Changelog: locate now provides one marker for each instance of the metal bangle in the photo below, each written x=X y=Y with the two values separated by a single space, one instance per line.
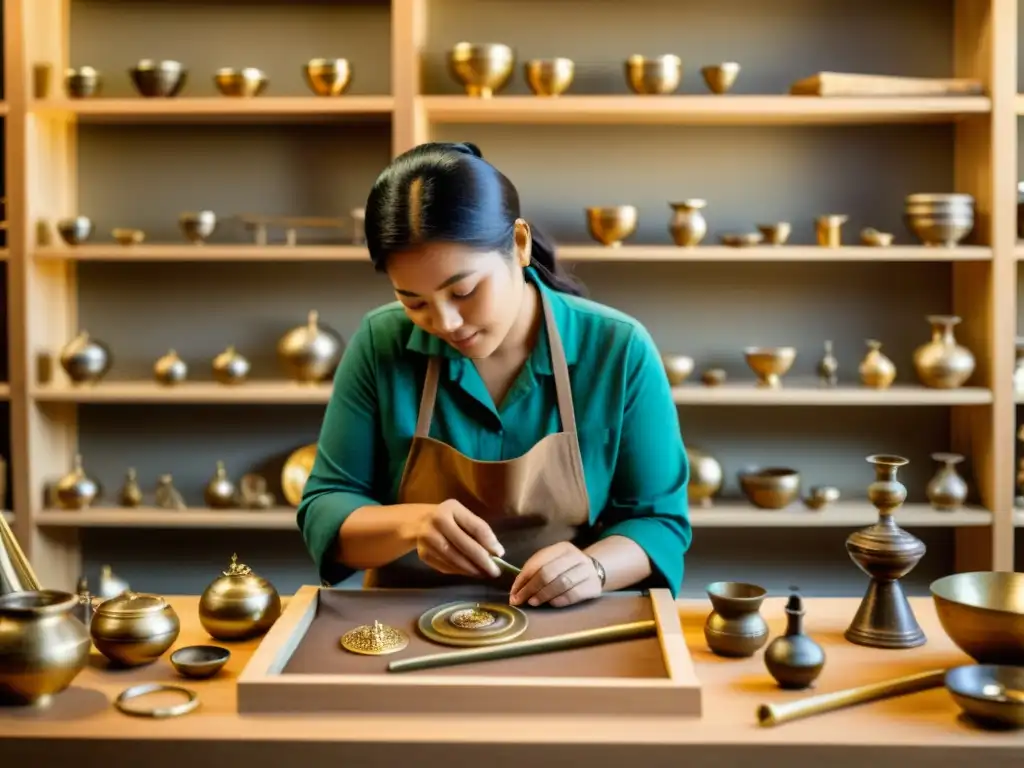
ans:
x=601 y=575
x=159 y=712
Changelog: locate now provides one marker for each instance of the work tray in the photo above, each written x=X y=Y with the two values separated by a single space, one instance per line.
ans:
x=300 y=666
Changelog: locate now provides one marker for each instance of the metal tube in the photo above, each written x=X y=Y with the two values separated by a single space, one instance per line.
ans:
x=16 y=574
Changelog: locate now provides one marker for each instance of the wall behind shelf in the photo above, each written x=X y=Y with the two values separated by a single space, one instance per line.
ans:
x=278 y=37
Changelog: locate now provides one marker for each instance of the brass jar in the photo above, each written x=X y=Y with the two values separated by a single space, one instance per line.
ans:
x=705 y=477
x=688 y=225
x=220 y=492
x=876 y=370
x=239 y=604
x=76 y=490
x=947 y=490
x=43 y=646
x=230 y=367
x=84 y=359
x=170 y=369
x=942 y=363
x=134 y=629
x=311 y=352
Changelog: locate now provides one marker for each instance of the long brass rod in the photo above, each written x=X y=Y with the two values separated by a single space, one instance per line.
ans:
x=16 y=573
x=569 y=640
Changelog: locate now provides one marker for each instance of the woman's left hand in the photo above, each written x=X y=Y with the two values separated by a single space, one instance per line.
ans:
x=561 y=575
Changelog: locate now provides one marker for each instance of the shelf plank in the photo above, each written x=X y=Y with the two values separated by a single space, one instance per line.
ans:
x=736 y=514
x=844 y=514
x=186 y=252
x=799 y=393
x=700 y=109
x=268 y=392
x=216 y=109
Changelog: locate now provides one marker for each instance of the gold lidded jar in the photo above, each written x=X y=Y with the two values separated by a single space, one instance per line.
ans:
x=220 y=491
x=84 y=359
x=43 y=646
x=239 y=604
x=943 y=363
x=134 y=629
x=688 y=225
x=947 y=491
x=876 y=370
x=170 y=369
x=311 y=352
x=705 y=477
x=76 y=490
x=230 y=367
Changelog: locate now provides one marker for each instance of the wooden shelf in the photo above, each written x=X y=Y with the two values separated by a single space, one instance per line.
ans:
x=748 y=393
x=278 y=518
x=844 y=514
x=699 y=110
x=186 y=252
x=267 y=392
x=216 y=109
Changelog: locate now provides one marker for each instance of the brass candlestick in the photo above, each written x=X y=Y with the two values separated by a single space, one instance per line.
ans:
x=886 y=553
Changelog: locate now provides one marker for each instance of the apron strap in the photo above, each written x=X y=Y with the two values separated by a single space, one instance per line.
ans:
x=563 y=387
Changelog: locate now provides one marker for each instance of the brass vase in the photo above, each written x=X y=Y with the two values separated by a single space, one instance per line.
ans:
x=735 y=628
x=942 y=363
x=239 y=604
x=947 y=491
x=43 y=646
x=220 y=492
x=794 y=659
x=688 y=225
x=886 y=553
x=705 y=477
x=876 y=370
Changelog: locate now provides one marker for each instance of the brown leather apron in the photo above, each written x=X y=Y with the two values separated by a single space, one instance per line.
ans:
x=530 y=502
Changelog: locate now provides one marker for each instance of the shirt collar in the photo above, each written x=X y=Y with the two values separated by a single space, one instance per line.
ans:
x=540 y=359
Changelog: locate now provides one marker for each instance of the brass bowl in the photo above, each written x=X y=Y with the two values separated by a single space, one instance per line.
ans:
x=776 y=234
x=200 y=661
x=658 y=76
x=875 y=239
x=990 y=695
x=296 y=472
x=771 y=487
x=820 y=496
x=155 y=79
x=770 y=364
x=74 y=230
x=483 y=69
x=677 y=367
x=549 y=77
x=197 y=226
x=611 y=225
x=939 y=230
x=82 y=82
x=939 y=198
x=744 y=240
x=126 y=236
x=327 y=77
x=983 y=614
x=247 y=82
x=720 y=78
x=713 y=377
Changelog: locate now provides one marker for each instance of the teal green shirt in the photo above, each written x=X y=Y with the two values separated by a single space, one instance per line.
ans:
x=634 y=461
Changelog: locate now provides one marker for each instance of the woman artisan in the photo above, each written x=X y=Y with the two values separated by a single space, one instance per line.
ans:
x=491 y=410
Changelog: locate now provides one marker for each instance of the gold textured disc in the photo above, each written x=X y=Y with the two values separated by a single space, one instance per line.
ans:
x=469 y=624
x=374 y=640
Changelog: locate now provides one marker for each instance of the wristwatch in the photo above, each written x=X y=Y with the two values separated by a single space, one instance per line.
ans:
x=599 y=568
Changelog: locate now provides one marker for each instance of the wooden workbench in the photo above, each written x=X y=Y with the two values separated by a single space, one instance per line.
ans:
x=83 y=729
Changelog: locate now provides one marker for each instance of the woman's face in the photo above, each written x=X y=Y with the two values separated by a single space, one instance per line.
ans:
x=467 y=298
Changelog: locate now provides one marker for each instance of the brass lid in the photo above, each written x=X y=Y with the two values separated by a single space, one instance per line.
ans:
x=132 y=604
x=238 y=569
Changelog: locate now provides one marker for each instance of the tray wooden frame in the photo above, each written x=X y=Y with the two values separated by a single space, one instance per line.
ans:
x=263 y=689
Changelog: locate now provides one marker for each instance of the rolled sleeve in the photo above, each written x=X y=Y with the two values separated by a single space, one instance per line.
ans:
x=649 y=486
x=343 y=474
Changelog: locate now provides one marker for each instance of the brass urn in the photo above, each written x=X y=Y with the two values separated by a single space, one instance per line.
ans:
x=134 y=629
x=43 y=646
x=943 y=363
x=311 y=352
x=76 y=490
x=220 y=492
x=239 y=604
x=84 y=359
x=705 y=477
x=876 y=370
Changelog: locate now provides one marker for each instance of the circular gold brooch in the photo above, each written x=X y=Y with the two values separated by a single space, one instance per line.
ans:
x=374 y=640
x=468 y=624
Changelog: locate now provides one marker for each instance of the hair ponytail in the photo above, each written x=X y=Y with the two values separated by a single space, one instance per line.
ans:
x=543 y=258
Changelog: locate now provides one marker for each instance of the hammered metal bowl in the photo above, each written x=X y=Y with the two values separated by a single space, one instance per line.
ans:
x=659 y=75
x=549 y=77
x=328 y=77
x=678 y=368
x=200 y=661
x=74 y=230
x=770 y=487
x=82 y=82
x=610 y=225
x=483 y=69
x=155 y=79
x=247 y=82
x=983 y=614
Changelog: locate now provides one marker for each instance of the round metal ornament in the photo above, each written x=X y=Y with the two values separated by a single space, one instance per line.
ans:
x=374 y=640
x=468 y=624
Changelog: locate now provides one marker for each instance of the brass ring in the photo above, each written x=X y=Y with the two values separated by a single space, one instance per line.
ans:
x=159 y=712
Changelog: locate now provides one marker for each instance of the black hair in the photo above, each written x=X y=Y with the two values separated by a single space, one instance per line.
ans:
x=447 y=192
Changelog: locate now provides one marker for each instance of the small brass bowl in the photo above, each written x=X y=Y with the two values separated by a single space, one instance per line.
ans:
x=677 y=367
x=128 y=236
x=745 y=240
x=770 y=364
x=983 y=614
x=611 y=225
x=200 y=661
x=83 y=82
x=247 y=82
x=720 y=78
x=990 y=695
x=155 y=79
x=875 y=239
x=75 y=230
x=657 y=76
x=198 y=226
x=776 y=234
x=713 y=377
x=549 y=77
x=328 y=77
x=820 y=496
x=483 y=69
x=771 y=487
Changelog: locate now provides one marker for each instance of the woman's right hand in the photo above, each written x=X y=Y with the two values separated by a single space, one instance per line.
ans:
x=451 y=539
